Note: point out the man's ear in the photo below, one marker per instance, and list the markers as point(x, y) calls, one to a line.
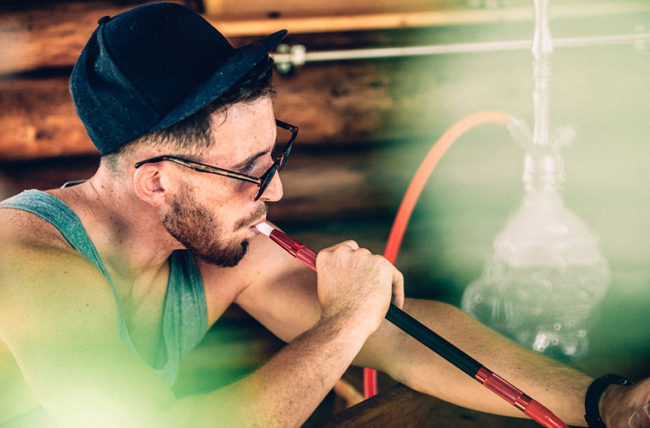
point(150, 184)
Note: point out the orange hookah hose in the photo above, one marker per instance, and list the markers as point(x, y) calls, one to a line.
point(413, 193)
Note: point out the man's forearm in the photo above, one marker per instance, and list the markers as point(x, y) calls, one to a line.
point(286, 390)
point(554, 385)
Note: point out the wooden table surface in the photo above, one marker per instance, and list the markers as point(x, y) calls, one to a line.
point(401, 407)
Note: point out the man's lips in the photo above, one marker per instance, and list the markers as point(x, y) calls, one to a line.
point(254, 229)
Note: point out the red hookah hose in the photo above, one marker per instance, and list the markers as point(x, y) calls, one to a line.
point(413, 193)
point(433, 341)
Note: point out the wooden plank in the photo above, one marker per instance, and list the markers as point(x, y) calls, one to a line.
point(401, 407)
point(264, 8)
point(483, 10)
point(317, 186)
point(38, 120)
point(49, 37)
point(333, 104)
point(365, 22)
point(259, 17)
point(238, 26)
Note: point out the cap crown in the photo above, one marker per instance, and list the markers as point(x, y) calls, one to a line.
point(150, 67)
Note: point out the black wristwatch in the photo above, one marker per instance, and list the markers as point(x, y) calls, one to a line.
point(594, 392)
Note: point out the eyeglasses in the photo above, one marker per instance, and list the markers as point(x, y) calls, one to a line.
point(280, 154)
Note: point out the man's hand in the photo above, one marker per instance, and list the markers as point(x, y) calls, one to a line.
point(353, 282)
point(627, 406)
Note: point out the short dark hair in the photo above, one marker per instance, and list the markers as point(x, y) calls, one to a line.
point(192, 134)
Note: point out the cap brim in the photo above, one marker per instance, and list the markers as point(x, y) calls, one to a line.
point(242, 61)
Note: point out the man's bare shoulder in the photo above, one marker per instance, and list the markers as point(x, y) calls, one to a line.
point(22, 229)
point(42, 278)
point(36, 260)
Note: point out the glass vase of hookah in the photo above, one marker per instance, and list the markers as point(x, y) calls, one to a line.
point(546, 275)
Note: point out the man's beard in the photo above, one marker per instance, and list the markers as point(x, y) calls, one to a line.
point(192, 224)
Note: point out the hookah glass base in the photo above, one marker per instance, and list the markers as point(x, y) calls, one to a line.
point(543, 280)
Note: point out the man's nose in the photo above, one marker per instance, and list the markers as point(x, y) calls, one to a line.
point(273, 191)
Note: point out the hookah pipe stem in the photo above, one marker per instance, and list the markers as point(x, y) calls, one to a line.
point(435, 342)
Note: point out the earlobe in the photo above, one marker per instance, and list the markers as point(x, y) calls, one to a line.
point(149, 184)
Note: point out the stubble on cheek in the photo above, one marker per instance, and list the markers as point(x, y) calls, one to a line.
point(201, 232)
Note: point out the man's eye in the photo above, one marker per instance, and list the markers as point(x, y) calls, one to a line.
point(248, 169)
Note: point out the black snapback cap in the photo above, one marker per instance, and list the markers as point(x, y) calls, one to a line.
point(153, 66)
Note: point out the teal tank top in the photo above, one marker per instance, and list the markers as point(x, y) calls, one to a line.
point(184, 319)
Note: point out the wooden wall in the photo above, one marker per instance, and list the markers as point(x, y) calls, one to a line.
point(39, 43)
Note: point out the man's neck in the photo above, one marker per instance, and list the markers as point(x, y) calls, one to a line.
point(127, 232)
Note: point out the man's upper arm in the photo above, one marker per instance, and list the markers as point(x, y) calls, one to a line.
point(59, 318)
point(282, 292)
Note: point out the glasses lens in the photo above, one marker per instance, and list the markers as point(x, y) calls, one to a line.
point(279, 154)
point(266, 179)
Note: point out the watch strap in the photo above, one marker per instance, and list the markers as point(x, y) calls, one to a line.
point(592, 399)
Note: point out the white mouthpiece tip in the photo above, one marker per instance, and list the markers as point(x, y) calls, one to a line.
point(265, 228)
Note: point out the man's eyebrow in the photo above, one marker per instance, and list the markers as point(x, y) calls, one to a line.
point(250, 161)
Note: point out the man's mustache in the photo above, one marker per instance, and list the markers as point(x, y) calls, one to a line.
point(259, 213)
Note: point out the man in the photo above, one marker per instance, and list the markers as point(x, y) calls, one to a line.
point(106, 285)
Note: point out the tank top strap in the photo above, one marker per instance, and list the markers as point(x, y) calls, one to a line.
point(185, 317)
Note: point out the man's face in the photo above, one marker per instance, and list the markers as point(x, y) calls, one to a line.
point(214, 216)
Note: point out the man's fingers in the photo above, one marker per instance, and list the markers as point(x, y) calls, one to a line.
point(352, 244)
point(398, 288)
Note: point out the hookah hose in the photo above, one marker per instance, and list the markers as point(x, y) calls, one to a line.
point(413, 192)
point(433, 341)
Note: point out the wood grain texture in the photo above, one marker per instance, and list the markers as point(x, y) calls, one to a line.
point(334, 104)
point(401, 407)
point(49, 36)
point(38, 120)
